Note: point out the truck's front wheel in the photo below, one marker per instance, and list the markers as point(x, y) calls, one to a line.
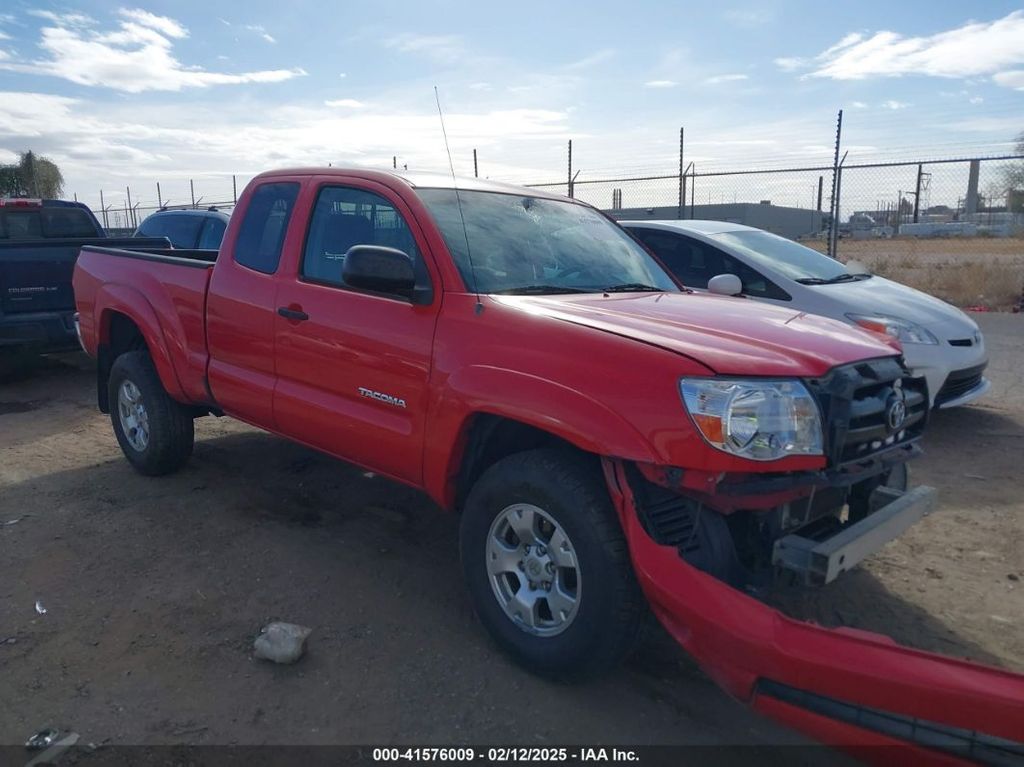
point(547, 565)
point(155, 432)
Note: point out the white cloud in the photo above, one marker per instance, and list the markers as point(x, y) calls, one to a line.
point(136, 56)
point(859, 105)
point(593, 59)
point(1011, 79)
point(974, 49)
point(260, 30)
point(162, 24)
point(4, 35)
point(725, 79)
point(346, 103)
point(480, 86)
point(790, 63)
point(976, 99)
point(64, 19)
point(110, 144)
point(893, 104)
point(660, 84)
point(444, 48)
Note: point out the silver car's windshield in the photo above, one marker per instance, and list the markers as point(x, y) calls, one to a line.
point(795, 261)
point(522, 244)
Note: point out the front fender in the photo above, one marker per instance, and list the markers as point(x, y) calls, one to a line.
point(546, 405)
point(847, 687)
point(126, 300)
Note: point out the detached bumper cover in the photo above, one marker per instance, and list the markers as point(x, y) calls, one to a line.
point(743, 645)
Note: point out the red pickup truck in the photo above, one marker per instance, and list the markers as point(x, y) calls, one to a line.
point(610, 440)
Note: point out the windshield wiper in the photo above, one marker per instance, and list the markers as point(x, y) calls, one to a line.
point(845, 277)
point(633, 287)
point(539, 290)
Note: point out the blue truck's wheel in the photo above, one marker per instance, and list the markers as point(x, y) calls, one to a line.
point(156, 433)
point(547, 565)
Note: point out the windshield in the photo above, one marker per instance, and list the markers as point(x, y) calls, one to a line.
point(535, 245)
point(795, 261)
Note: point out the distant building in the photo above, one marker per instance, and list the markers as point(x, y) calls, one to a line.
point(784, 221)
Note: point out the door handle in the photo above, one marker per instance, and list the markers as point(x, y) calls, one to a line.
point(292, 314)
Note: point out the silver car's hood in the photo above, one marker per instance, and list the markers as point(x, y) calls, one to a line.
point(881, 296)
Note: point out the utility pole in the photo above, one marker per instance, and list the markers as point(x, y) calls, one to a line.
point(192, 188)
point(159, 197)
point(833, 225)
point(103, 207)
point(394, 161)
point(476, 173)
point(234, 189)
point(128, 206)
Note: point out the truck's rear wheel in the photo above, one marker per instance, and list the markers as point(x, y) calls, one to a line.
point(156, 433)
point(547, 565)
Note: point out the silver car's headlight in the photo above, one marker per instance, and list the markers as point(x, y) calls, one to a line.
point(905, 331)
point(759, 420)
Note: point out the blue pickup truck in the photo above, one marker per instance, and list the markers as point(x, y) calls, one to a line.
point(39, 242)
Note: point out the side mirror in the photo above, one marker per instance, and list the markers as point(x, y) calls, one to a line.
point(374, 267)
point(725, 285)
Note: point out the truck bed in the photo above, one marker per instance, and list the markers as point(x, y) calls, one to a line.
point(36, 300)
point(166, 286)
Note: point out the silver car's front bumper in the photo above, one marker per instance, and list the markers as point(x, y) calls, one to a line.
point(968, 396)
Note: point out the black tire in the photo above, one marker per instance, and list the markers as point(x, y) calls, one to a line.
point(171, 430)
point(569, 488)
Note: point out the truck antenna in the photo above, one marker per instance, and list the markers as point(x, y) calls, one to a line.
point(458, 201)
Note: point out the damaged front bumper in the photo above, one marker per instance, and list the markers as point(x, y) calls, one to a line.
point(818, 562)
point(845, 687)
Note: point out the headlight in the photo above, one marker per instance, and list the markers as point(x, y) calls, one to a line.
point(760, 420)
point(905, 331)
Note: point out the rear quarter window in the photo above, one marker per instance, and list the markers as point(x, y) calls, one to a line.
point(263, 229)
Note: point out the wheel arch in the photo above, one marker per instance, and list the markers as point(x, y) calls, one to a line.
point(127, 322)
point(497, 402)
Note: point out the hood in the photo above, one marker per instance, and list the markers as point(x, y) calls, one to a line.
point(881, 296)
point(732, 336)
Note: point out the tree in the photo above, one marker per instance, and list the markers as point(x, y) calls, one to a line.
point(32, 176)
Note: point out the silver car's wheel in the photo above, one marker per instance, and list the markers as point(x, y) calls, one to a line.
point(533, 570)
point(134, 419)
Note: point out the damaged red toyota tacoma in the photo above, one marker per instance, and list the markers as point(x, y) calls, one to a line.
point(611, 441)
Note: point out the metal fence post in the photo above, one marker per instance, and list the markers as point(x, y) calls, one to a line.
point(569, 184)
point(833, 225)
point(682, 185)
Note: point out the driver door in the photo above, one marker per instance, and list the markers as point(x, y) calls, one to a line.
point(352, 365)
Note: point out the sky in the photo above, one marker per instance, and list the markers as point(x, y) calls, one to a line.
point(159, 92)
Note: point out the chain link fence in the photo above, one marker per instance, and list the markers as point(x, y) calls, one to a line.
point(952, 227)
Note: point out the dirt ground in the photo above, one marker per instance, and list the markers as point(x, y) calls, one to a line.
point(155, 588)
point(966, 271)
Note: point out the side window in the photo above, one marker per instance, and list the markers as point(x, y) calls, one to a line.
point(695, 263)
point(266, 220)
point(687, 259)
point(213, 233)
point(344, 217)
